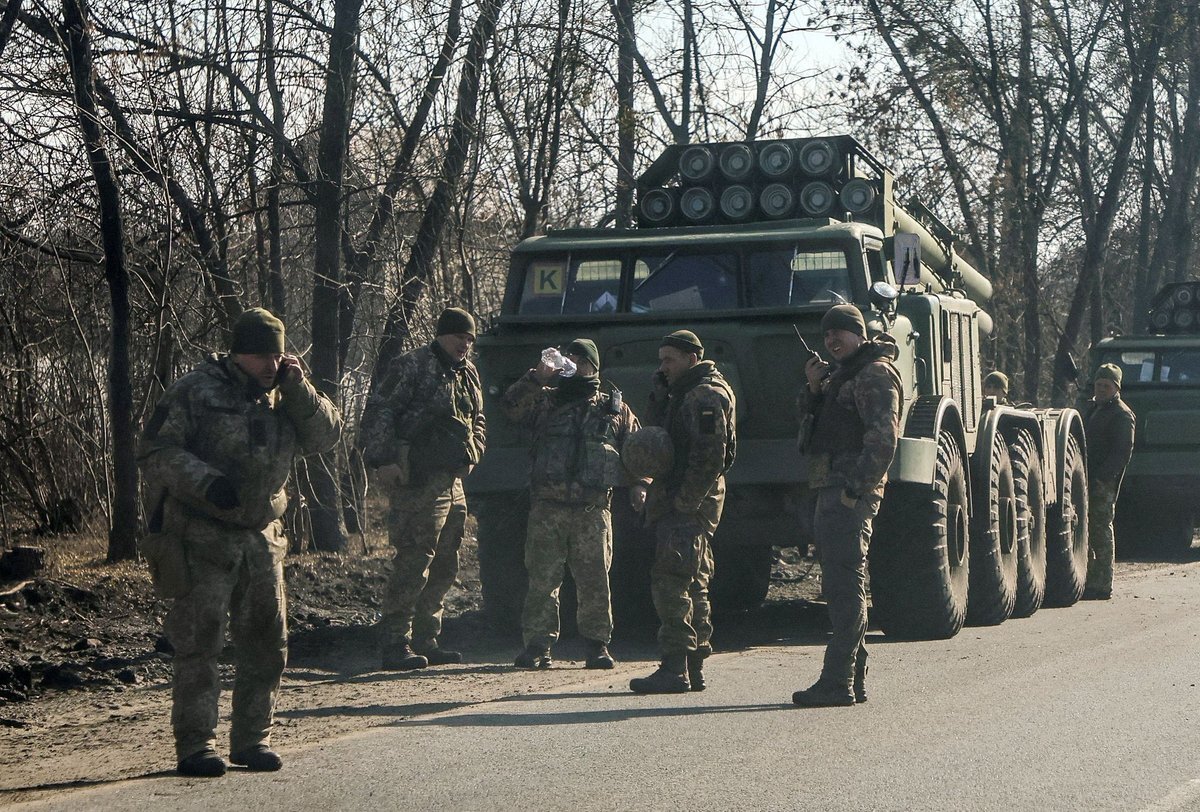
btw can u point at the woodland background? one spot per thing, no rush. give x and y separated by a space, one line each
354 166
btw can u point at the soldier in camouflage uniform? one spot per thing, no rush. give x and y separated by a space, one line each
215 457
696 405
422 431
856 404
578 434
1109 427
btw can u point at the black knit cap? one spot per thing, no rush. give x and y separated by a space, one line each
585 347
844 317
455 320
684 340
256 332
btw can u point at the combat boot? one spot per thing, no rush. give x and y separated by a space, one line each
695 669
204 764
860 677
670 678
824 694
258 758
400 657
534 656
436 655
598 656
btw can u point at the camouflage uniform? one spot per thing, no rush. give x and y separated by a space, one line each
575 465
213 423
685 505
428 415
853 440
1109 427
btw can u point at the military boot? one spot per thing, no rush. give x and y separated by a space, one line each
670 678
436 655
695 669
825 694
204 764
534 656
860 677
258 758
400 657
598 656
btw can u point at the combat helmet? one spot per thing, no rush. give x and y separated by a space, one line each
648 452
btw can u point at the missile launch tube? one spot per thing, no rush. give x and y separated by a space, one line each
935 255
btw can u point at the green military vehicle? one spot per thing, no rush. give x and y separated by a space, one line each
748 244
1157 508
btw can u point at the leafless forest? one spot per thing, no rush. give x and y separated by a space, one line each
355 166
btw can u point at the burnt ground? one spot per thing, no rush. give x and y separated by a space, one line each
85 672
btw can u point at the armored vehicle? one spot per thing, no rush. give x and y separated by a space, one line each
748 244
1156 511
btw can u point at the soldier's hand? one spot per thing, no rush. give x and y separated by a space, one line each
544 373
290 370
815 370
390 476
222 495
637 497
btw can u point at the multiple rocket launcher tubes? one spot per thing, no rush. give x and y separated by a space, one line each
1176 309
746 182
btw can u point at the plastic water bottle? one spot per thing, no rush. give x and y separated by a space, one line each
552 357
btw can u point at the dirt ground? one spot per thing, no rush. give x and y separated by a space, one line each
85 673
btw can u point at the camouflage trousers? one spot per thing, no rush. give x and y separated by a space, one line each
1102 503
425 525
237 579
843 535
680 575
579 536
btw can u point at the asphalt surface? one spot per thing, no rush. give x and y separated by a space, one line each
1095 707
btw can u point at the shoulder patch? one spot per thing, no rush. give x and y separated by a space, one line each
708 420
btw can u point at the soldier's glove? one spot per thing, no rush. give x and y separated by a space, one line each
222 495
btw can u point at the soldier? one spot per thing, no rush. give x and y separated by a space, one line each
1108 426
856 405
422 431
995 385
578 435
215 457
696 405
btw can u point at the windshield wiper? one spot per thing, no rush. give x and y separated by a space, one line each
657 268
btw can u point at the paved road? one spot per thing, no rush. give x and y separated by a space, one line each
1090 708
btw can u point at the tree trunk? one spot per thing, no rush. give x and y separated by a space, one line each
626 123
122 534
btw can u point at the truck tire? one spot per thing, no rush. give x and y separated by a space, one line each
741 578
502 520
919 559
1031 524
1067 533
993 538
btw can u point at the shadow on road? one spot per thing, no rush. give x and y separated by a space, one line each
584 717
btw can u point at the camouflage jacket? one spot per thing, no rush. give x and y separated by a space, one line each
433 405
700 416
857 422
576 452
1109 428
210 424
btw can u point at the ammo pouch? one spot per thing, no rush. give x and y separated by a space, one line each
169 571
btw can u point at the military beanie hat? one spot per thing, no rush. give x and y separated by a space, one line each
684 340
844 317
997 379
587 348
1109 372
257 332
455 320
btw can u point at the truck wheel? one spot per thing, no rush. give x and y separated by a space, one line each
919 556
503 519
1067 533
741 577
1031 524
993 539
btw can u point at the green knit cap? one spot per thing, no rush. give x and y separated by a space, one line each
455 320
844 317
1109 372
585 347
684 340
997 379
257 332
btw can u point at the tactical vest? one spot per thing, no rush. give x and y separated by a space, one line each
575 456
680 437
839 427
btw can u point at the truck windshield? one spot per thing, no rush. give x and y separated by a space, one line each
677 280
1139 367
